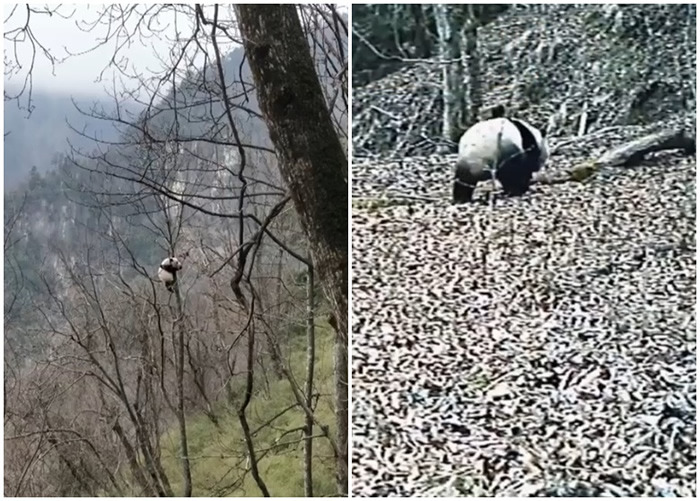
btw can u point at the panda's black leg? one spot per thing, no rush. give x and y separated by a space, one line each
462 192
514 176
464 185
517 187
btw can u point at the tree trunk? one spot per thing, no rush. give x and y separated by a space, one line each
311 161
632 152
132 458
180 371
421 38
468 38
309 386
453 89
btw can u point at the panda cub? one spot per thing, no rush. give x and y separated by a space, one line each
167 272
512 148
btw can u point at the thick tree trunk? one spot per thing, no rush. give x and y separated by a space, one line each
311 160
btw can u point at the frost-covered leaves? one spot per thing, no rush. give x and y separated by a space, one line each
545 346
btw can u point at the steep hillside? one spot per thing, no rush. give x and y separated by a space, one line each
57 173
542 345
117 385
563 58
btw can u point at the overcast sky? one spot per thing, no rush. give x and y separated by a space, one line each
63 36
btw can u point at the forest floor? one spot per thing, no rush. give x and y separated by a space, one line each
540 345
543 344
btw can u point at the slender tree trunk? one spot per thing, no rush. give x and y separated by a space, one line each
474 94
453 88
185 460
273 337
310 362
421 35
132 458
67 487
248 395
311 160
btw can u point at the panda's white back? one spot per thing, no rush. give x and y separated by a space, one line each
485 143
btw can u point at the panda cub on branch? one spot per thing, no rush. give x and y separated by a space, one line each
167 272
512 148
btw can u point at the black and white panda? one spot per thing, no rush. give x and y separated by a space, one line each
512 148
167 272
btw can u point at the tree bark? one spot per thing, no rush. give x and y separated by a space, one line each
180 371
633 152
309 386
474 93
311 160
132 457
453 88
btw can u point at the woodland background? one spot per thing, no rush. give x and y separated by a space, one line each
234 385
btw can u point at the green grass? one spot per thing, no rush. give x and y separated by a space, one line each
218 452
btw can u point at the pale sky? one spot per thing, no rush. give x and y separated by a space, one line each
79 73
61 34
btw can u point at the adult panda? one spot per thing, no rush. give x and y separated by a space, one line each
512 148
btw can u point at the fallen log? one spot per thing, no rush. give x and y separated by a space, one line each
633 152
627 154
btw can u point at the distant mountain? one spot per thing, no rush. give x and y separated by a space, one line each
37 139
53 198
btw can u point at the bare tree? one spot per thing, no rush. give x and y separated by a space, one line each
311 160
454 90
189 172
